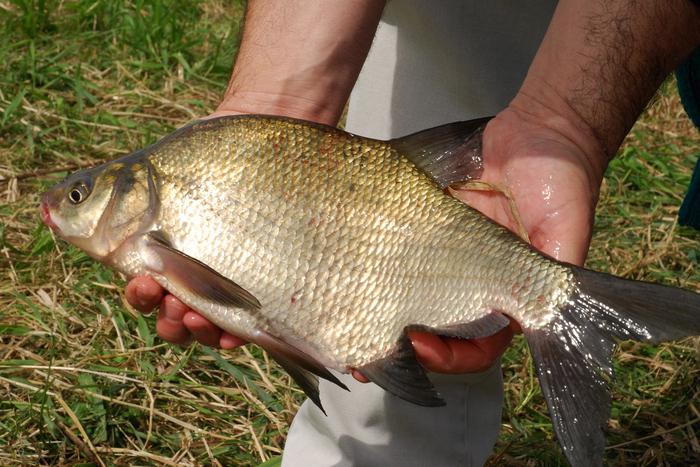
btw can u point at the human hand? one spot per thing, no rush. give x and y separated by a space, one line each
554 182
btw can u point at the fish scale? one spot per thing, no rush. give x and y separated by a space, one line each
326 248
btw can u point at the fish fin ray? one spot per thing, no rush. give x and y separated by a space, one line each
402 375
572 353
449 153
575 386
192 274
639 310
482 327
307 381
281 350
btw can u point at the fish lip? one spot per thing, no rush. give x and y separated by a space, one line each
46 212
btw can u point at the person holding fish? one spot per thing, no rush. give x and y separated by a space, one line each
566 81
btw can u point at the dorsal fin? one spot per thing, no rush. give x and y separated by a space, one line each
449 153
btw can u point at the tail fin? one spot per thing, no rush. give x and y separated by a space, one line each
572 353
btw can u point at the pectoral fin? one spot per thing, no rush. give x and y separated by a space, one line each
192 274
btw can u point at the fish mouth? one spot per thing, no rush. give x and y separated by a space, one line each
46 213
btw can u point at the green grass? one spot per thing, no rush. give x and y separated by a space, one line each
83 377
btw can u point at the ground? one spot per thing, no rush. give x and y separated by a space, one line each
83 377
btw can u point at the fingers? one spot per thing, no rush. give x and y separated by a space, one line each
169 324
176 322
514 327
359 376
454 355
459 355
203 330
207 333
143 293
228 341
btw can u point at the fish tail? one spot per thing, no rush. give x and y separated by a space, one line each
572 353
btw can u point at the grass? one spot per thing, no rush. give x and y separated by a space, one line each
84 380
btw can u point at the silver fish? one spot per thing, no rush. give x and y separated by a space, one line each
325 247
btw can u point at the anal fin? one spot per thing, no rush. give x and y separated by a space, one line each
402 375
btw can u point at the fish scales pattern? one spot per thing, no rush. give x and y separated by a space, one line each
342 240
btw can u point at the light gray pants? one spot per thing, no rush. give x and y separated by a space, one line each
432 62
370 427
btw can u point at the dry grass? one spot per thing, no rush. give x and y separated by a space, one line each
83 378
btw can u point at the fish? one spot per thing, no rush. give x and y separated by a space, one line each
325 248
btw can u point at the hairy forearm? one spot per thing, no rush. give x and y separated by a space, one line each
300 58
601 62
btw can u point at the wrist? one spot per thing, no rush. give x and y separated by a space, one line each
300 59
286 105
538 103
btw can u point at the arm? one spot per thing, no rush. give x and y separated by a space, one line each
301 58
597 67
601 62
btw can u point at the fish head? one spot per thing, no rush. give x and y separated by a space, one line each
99 209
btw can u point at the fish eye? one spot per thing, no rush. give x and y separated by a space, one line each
78 193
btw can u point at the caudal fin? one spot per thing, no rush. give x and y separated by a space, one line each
572 353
